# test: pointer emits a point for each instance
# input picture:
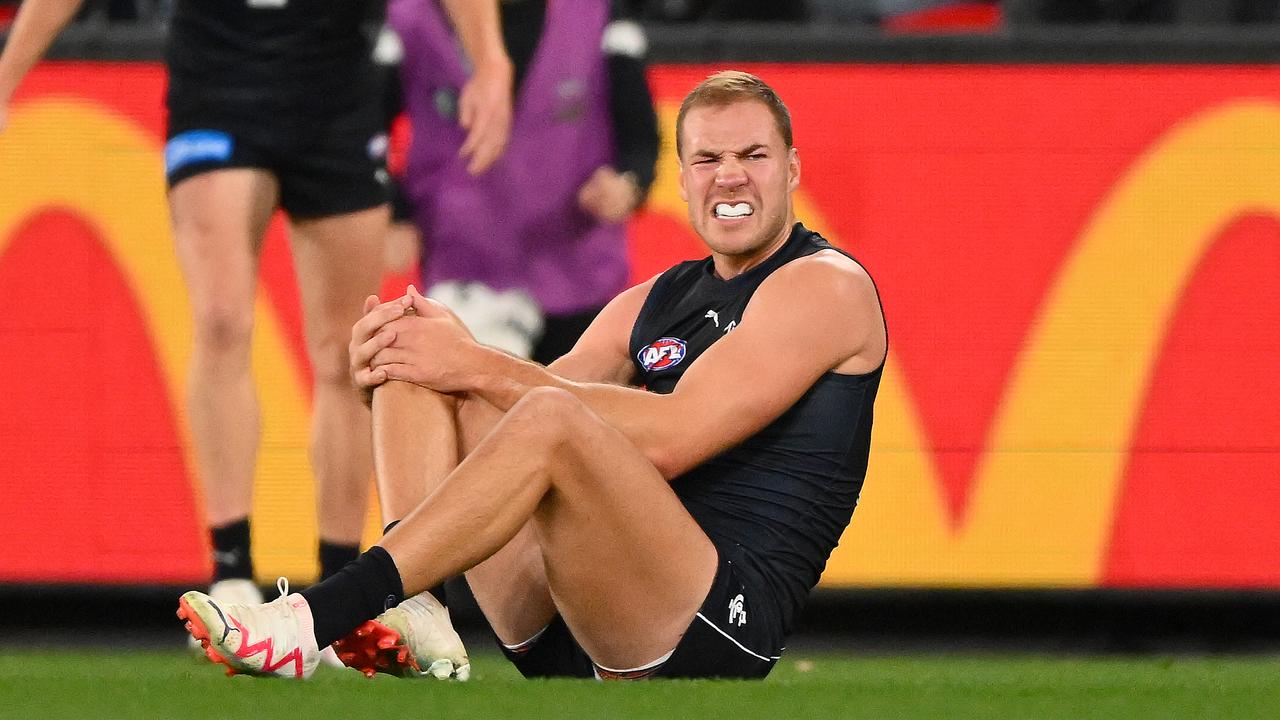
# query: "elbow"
(670, 461)
(668, 469)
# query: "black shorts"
(327, 165)
(737, 633)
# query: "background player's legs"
(338, 261)
(627, 566)
(219, 218)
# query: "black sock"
(231, 558)
(358, 592)
(438, 592)
(335, 556)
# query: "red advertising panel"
(1080, 268)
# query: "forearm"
(36, 25)
(477, 26)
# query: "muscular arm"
(38, 22)
(814, 315)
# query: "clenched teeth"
(725, 210)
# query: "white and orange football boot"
(413, 639)
(238, 591)
(274, 639)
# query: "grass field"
(153, 684)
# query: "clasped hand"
(411, 338)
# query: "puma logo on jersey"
(715, 318)
(662, 354)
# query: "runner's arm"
(484, 106)
(37, 23)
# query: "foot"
(232, 591)
(274, 639)
(414, 639)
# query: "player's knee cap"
(547, 412)
(551, 401)
(223, 328)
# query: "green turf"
(138, 684)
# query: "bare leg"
(218, 222)
(418, 437)
(626, 564)
(339, 263)
(415, 445)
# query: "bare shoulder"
(837, 299)
(827, 277)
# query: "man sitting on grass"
(657, 503)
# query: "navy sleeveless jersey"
(777, 503)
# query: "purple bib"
(518, 225)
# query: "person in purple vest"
(657, 503)
(528, 252)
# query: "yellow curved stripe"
(1045, 489)
(60, 152)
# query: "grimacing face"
(737, 176)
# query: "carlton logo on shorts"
(662, 354)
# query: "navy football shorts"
(325, 166)
(737, 633)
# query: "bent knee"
(550, 415)
(549, 404)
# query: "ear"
(684, 194)
(793, 170)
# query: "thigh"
(219, 217)
(627, 565)
(510, 586)
(338, 261)
(511, 589)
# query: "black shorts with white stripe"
(737, 633)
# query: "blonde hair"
(730, 86)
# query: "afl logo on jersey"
(662, 354)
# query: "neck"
(728, 267)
